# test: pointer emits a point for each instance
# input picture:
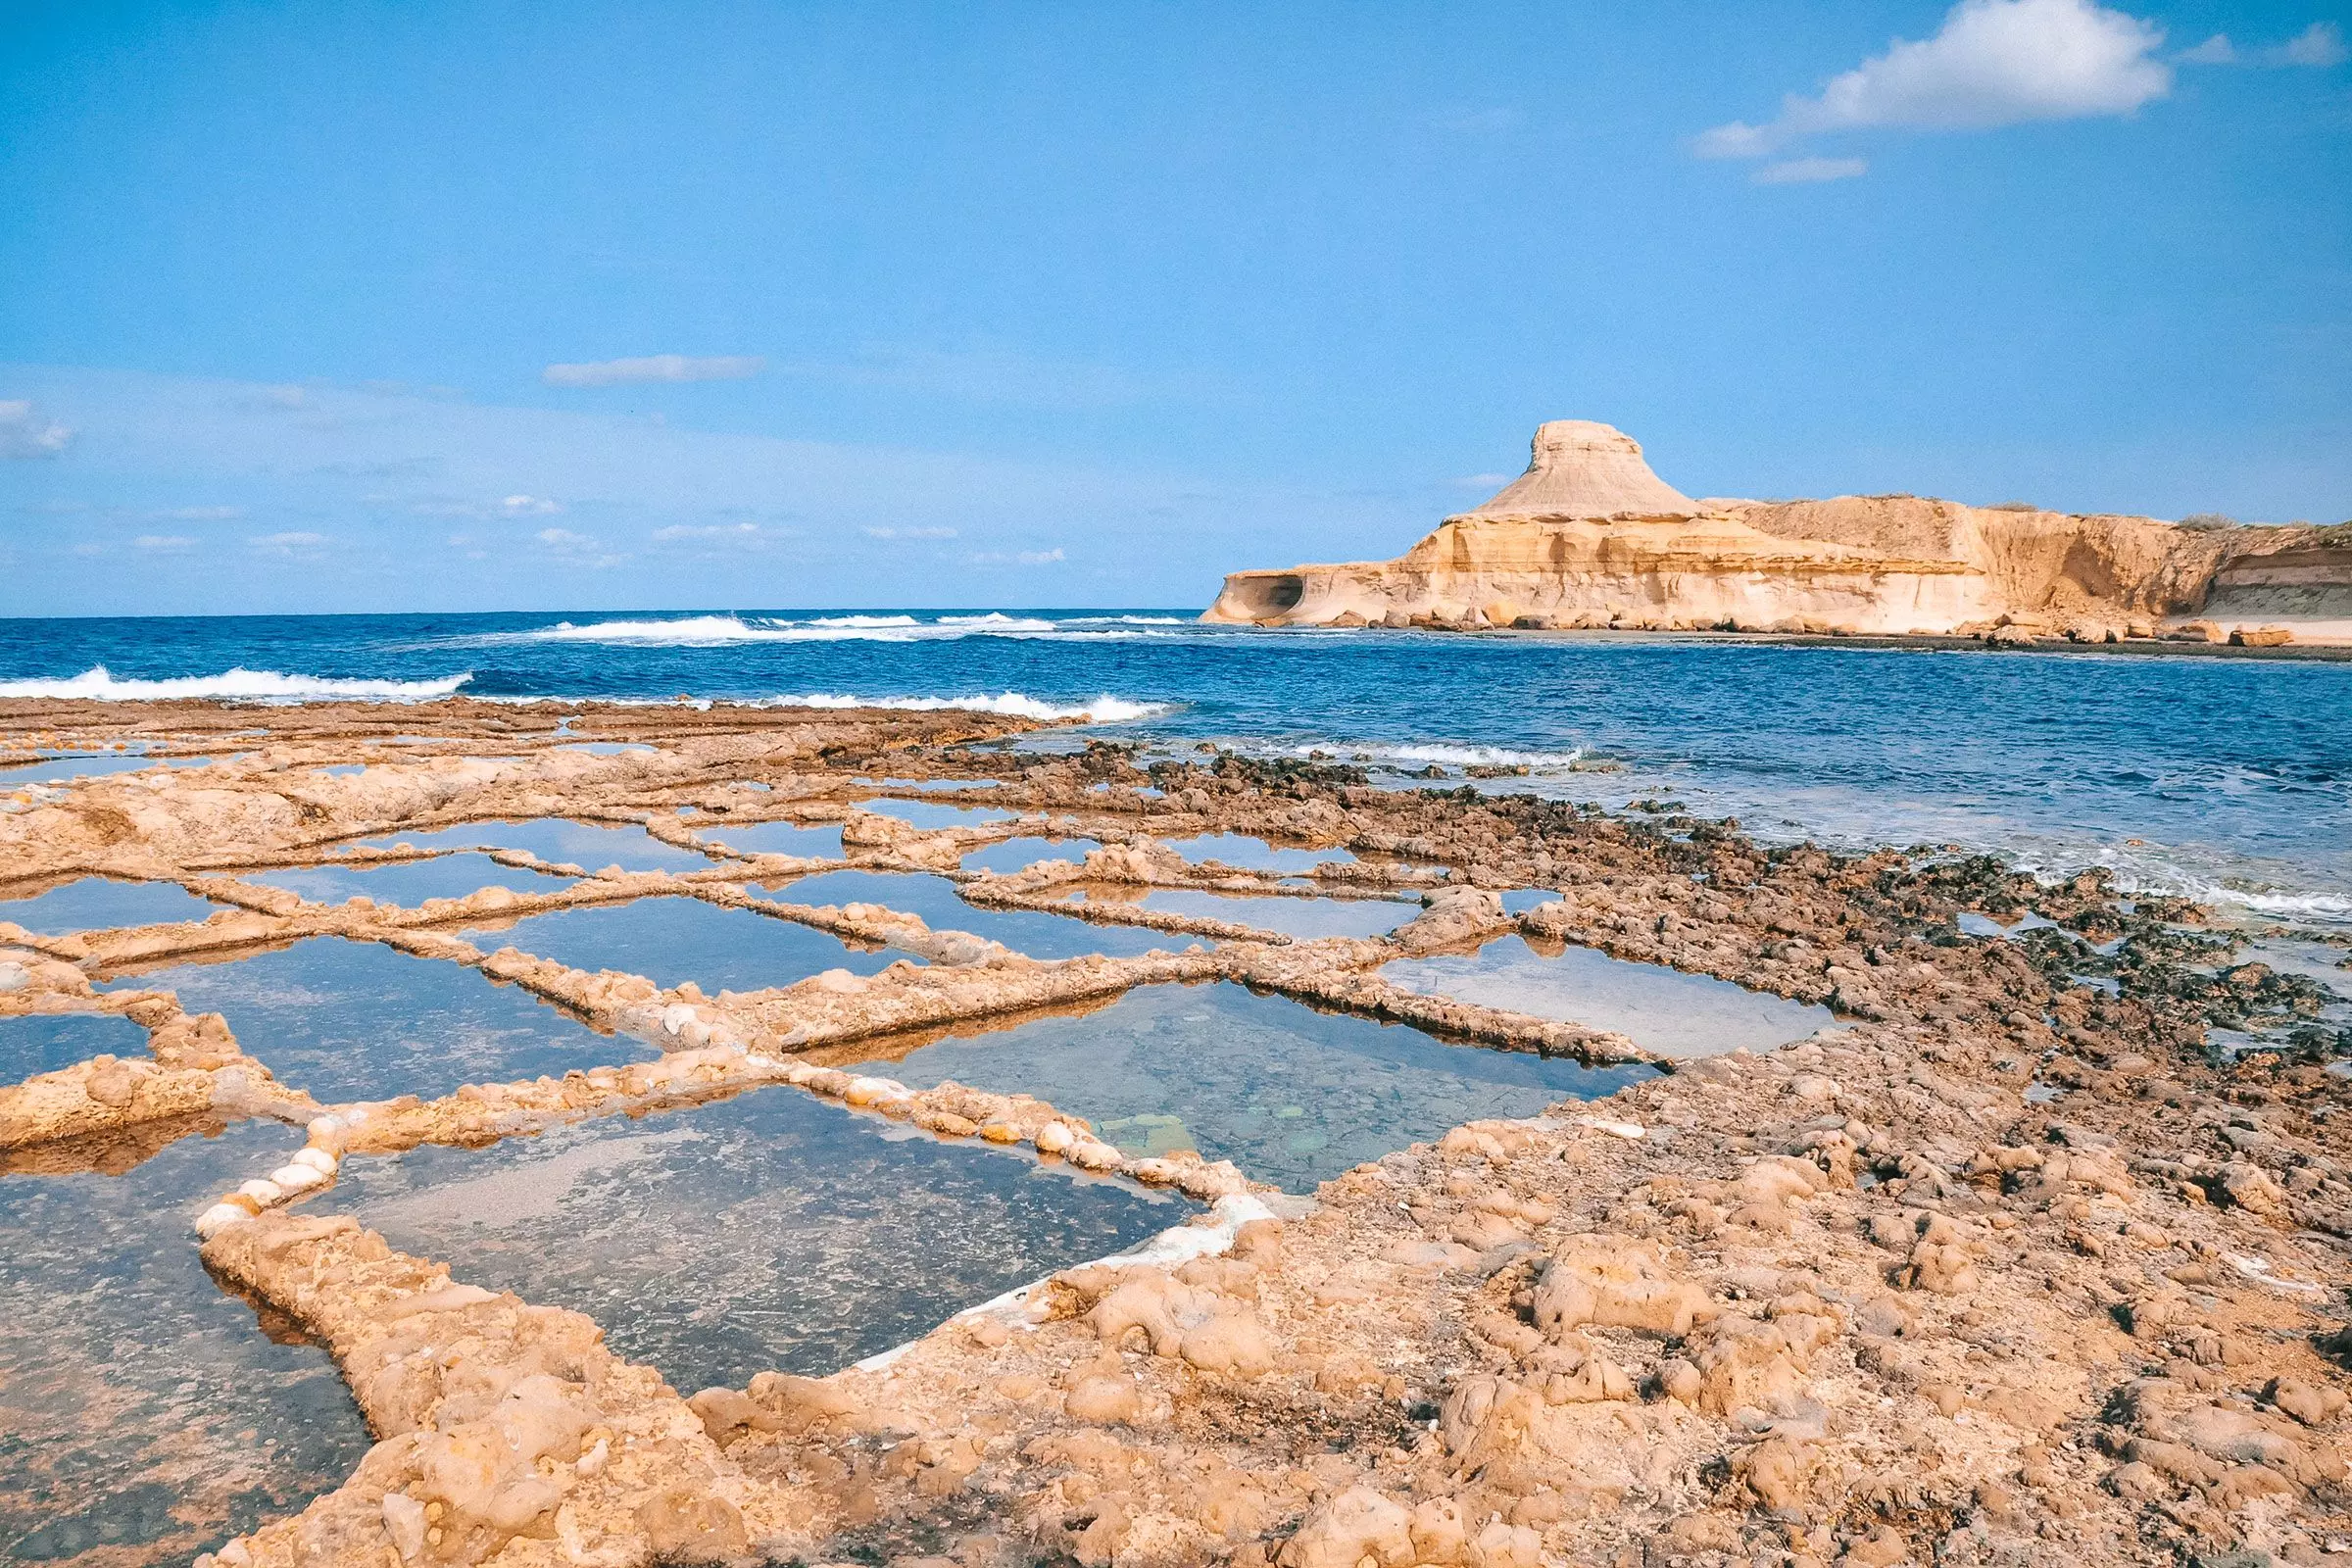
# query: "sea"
(2225, 779)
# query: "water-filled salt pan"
(1292, 1096)
(1254, 855)
(932, 815)
(1017, 853)
(818, 843)
(1661, 1010)
(97, 903)
(672, 940)
(43, 1042)
(773, 1231)
(407, 883)
(589, 845)
(356, 1020)
(56, 769)
(934, 898)
(1305, 919)
(144, 1415)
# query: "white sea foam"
(691, 630)
(1448, 755)
(235, 685)
(997, 621)
(715, 631)
(1103, 709)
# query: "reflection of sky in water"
(95, 902)
(1292, 1096)
(56, 769)
(1661, 1010)
(1254, 855)
(356, 1020)
(589, 845)
(934, 898)
(931, 815)
(773, 1231)
(1302, 918)
(407, 883)
(1016, 854)
(141, 1409)
(671, 939)
(822, 843)
(44, 1042)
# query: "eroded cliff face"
(1588, 537)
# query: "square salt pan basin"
(671, 939)
(588, 845)
(769, 1232)
(1254, 855)
(817, 843)
(44, 1042)
(1007, 855)
(407, 883)
(1292, 1096)
(1660, 1010)
(98, 902)
(58, 769)
(356, 1020)
(932, 815)
(1302, 919)
(934, 898)
(144, 1415)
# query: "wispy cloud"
(654, 368)
(289, 545)
(1809, 171)
(163, 543)
(197, 514)
(1993, 63)
(529, 505)
(578, 549)
(1018, 557)
(2319, 45)
(910, 533)
(27, 434)
(1485, 482)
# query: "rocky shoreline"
(2010, 1266)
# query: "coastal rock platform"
(2014, 1263)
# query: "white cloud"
(2319, 45)
(1993, 63)
(1809, 171)
(199, 514)
(24, 433)
(654, 368)
(1024, 558)
(163, 542)
(1485, 482)
(529, 505)
(578, 549)
(287, 544)
(746, 536)
(910, 533)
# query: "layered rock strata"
(1589, 537)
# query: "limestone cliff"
(1588, 537)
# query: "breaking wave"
(235, 685)
(1103, 709)
(717, 631)
(1448, 755)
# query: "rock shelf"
(2030, 1258)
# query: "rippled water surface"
(590, 846)
(934, 898)
(1292, 1096)
(43, 1042)
(2187, 773)
(407, 883)
(144, 1414)
(96, 903)
(356, 1020)
(672, 939)
(773, 1231)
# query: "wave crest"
(235, 685)
(1103, 709)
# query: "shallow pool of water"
(931, 815)
(44, 1042)
(98, 902)
(1291, 1094)
(57, 769)
(356, 1020)
(407, 883)
(818, 843)
(1248, 853)
(144, 1415)
(772, 1231)
(590, 846)
(934, 898)
(1661, 1010)
(672, 939)
(1302, 918)
(1018, 854)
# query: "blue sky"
(445, 306)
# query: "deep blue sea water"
(2222, 777)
